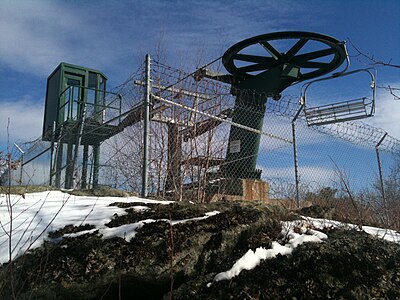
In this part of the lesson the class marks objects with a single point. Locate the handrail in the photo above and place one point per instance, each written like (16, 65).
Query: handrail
(88, 88)
(103, 106)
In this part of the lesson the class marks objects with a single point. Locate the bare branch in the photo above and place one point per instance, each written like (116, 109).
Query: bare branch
(391, 90)
(371, 58)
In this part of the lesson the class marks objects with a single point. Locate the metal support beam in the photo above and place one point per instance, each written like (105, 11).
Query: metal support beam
(380, 170)
(69, 172)
(21, 161)
(146, 129)
(78, 141)
(36, 156)
(296, 164)
(242, 150)
(96, 164)
(84, 166)
(53, 136)
(222, 119)
(59, 158)
(176, 90)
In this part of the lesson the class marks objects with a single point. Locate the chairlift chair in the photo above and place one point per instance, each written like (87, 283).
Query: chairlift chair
(349, 110)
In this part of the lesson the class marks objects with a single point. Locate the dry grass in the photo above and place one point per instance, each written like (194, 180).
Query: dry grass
(23, 189)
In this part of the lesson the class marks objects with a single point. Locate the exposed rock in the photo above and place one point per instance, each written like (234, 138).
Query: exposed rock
(186, 256)
(349, 265)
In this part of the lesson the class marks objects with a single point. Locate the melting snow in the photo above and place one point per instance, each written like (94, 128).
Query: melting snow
(37, 214)
(382, 233)
(253, 258)
(305, 234)
(207, 215)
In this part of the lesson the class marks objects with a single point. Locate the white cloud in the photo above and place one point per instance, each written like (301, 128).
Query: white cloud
(37, 35)
(34, 34)
(313, 177)
(282, 127)
(387, 114)
(25, 120)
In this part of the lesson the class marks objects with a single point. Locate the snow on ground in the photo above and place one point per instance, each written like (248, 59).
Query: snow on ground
(253, 258)
(299, 232)
(382, 233)
(128, 231)
(36, 214)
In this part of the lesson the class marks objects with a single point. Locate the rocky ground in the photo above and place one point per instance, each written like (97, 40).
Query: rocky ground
(177, 262)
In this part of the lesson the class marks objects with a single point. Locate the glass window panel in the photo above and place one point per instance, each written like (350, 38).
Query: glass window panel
(92, 80)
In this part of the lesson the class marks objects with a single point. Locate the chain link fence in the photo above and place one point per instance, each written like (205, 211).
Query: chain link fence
(209, 142)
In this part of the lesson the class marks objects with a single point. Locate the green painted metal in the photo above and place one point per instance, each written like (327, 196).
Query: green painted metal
(278, 69)
(69, 87)
(243, 145)
(84, 166)
(96, 164)
(255, 77)
(71, 92)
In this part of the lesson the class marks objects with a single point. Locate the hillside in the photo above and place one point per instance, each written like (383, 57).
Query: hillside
(132, 248)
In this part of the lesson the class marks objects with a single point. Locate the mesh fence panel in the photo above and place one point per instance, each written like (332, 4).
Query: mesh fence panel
(206, 137)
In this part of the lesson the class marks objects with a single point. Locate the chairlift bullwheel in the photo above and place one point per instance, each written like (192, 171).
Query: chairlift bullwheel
(325, 55)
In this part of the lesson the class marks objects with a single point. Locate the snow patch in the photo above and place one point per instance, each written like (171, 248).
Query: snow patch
(37, 214)
(140, 208)
(207, 215)
(126, 231)
(381, 233)
(253, 258)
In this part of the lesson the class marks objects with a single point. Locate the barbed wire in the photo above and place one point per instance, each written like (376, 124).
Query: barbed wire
(355, 132)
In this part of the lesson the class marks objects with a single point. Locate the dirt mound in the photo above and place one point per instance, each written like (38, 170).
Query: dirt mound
(349, 265)
(184, 257)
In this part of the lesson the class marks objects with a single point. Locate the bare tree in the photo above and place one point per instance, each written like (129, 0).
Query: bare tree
(371, 60)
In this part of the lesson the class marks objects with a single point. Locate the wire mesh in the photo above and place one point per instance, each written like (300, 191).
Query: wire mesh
(209, 141)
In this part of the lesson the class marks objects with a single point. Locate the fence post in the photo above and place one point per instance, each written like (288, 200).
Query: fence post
(53, 137)
(296, 172)
(77, 143)
(96, 164)
(21, 159)
(146, 120)
(84, 166)
(59, 157)
(380, 169)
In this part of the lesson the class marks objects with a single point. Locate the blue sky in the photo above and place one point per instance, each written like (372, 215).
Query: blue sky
(113, 36)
